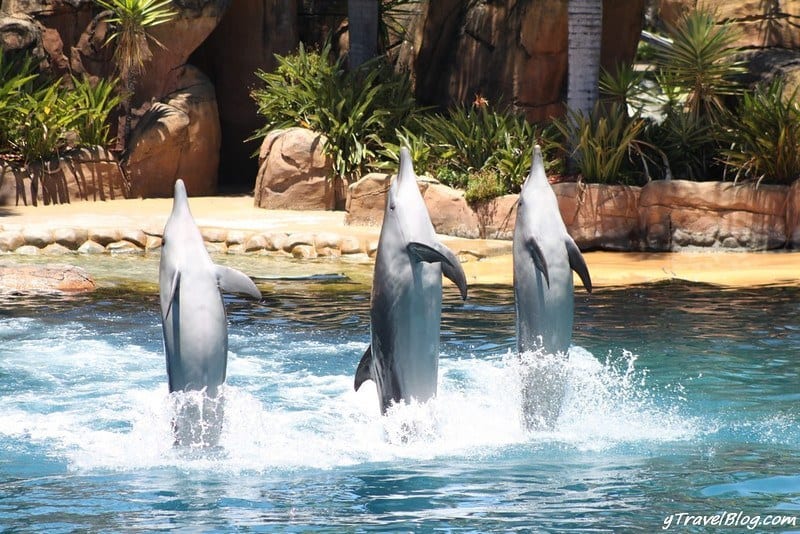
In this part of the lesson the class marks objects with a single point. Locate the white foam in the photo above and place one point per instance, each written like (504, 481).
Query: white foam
(283, 420)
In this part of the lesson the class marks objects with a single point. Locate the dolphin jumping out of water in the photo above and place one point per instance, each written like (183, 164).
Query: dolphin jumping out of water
(406, 303)
(544, 257)
(192, 310)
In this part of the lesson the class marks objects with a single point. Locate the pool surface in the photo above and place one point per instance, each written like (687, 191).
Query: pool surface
(679, 399)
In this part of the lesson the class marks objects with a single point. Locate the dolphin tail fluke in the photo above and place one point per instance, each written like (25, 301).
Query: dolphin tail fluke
(235, 281)
(364, 370)
(451, 267)
(577, 264)
(538, 258)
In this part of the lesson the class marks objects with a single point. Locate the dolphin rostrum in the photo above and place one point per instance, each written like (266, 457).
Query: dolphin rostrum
(192, 309)
(544, 257)
(406, 302)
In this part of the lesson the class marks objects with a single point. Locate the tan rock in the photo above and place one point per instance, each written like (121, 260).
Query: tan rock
(678, 213)
(449, 211)
(328, 252)
(295, 172)
(350, 245)
(237, 237)
(366, 200)
(50, 277)
(294, 240)
(56, 250)
(237, 248)
(304, 251)
(256, 243)
(179, 137)
(600, 216)
(104, 236)
(72, 238)
(217, 235)
(91, 247)
(11, 240)
(497, 217)
(137, 237)
(327, 240)
(792, 215)
(153, 242)
(123, 247)
(276, 241)
(37, 237)
(28, 250)
(216, 247)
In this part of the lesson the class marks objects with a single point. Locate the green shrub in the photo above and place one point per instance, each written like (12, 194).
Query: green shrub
(358, 111)
(689, 145)
(480, 144)
(16, 78)
(97, 101)
(485, 184)
(604, 143)
(765, 136)
(700, 65)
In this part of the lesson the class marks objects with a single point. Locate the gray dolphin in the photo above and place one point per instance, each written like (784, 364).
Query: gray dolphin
(406, 303)
(192, 310)
(544, 257)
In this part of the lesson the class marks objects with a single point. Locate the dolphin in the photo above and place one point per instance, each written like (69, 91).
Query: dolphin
(192, 310)
(544, 257)
(406, 300)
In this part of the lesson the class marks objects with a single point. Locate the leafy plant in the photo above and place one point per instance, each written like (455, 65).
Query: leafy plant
(604, 143)
(97, 101)
(701, 63)
(42, 124)
(765, 135)
(358, 111)
(470, 139)
(485, 184)
(16, 77)
(688, 143)
(131, 21)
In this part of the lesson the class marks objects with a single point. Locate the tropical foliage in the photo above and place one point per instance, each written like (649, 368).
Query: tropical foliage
(40, 118)
(131, 21)
(358, 111)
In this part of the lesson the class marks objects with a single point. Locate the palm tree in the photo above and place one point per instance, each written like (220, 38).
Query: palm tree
(130, 20)
(362, 20)
(585, 29)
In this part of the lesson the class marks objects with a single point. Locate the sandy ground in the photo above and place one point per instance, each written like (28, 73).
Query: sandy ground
(487, 261)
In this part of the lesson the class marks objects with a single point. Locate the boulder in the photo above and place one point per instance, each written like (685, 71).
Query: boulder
(294, 172)
(678, 213)
(449, 211)
(366, 200)
(600, 216)
(761, 24)
(793, 215)
(44, 278)
(497, 216)
(177, 138)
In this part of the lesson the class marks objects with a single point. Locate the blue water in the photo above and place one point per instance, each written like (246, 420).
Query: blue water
(679, 399)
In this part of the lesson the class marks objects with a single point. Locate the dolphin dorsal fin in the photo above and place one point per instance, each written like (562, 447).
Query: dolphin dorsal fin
(451, 267)
(234, 281)
(364, 370)
(538, 258)
(174, 290)
(577, 263)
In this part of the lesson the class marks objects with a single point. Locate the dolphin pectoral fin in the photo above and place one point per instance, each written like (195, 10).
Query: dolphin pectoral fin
(235, 281)
(174, 290)
(538, 258)
(577, 263)
(451, 267)
(364, 370)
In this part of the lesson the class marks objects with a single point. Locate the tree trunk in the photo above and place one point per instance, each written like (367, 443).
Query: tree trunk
(362, 17)
(585, 28)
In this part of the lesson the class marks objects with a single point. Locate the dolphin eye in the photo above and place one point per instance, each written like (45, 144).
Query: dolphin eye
(391, 206)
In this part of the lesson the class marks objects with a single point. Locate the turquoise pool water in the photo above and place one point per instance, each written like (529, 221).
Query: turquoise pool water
(680, 399)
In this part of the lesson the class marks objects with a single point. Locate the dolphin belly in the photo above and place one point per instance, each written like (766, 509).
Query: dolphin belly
(405, 337)
(196, 338)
